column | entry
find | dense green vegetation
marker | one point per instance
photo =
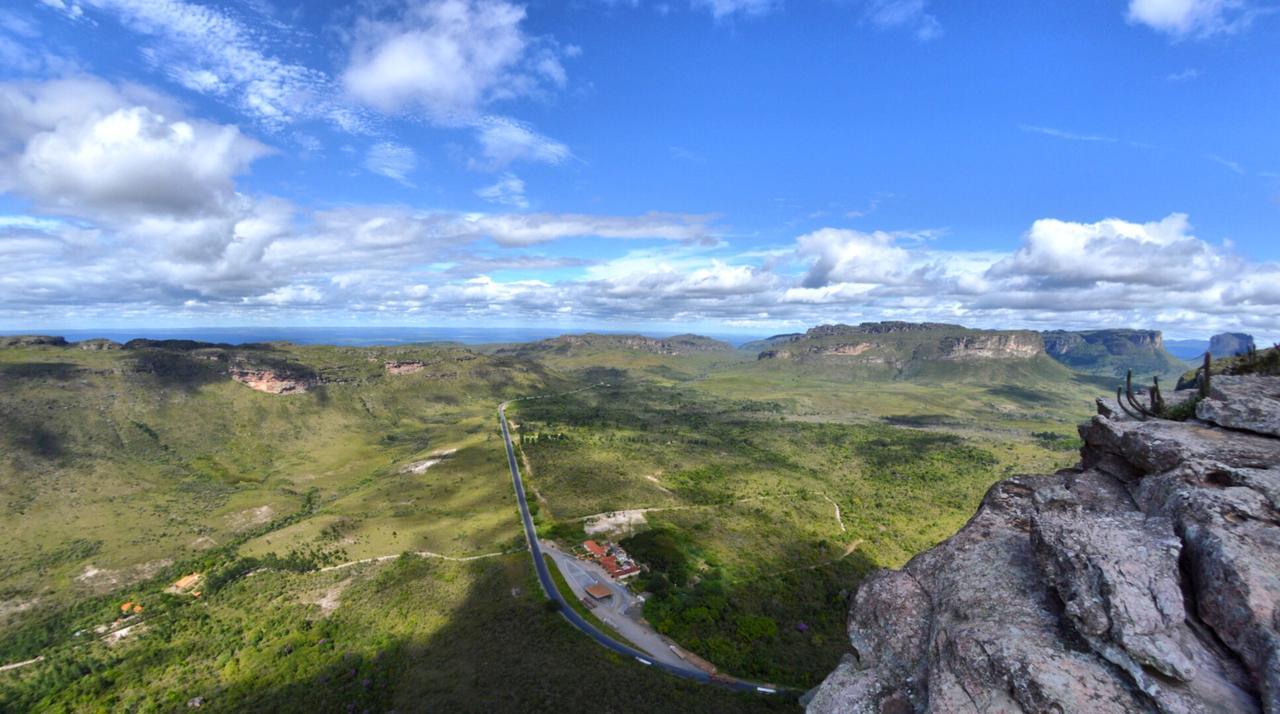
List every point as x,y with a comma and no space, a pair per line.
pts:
749,565
323,522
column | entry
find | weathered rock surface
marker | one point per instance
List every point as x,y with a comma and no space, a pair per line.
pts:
99,344
273,382
1234,403
1145,580
404,366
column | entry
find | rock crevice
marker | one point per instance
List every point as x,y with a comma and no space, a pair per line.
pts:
1147,579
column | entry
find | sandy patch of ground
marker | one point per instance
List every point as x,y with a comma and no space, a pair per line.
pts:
656,482
203,543
418,467
328,599
616,522
9,608
105,579
116,636
250,517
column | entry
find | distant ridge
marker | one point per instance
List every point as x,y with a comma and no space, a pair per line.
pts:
591,342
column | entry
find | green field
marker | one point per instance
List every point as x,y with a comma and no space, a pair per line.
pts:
123,470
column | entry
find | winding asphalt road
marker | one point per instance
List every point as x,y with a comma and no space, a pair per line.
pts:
567,612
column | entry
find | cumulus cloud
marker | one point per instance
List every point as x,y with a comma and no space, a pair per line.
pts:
1065,254
848,256
447,59
1187,18
85,147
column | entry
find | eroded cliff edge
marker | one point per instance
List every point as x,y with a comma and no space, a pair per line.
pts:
1147,579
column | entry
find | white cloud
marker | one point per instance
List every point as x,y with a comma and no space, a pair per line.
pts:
532,228
209,50
910,14
721,9
1185,75
508,191
848,256
1186,18
290,295
395,161
88,148
1065,254
447,59
1233,166
1068,135
504,141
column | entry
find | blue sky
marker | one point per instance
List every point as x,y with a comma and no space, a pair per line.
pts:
726,165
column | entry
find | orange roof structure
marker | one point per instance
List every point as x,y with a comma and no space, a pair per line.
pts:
127,606
610,564
187,581
595,548
599,591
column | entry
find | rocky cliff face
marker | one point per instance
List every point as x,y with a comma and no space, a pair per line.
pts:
1145,580
1112,352
999,345
899,344
1230,344
273,381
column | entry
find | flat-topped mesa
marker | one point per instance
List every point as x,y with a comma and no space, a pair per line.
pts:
32,341
1115,342
1113,352
1230,344
1147,579
899,344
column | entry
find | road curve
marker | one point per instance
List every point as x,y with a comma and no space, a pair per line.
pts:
567,612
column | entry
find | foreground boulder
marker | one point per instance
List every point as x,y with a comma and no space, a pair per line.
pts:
1145,580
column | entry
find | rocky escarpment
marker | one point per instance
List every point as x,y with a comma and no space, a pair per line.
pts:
899,344
1230,344
273,381
1147,579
